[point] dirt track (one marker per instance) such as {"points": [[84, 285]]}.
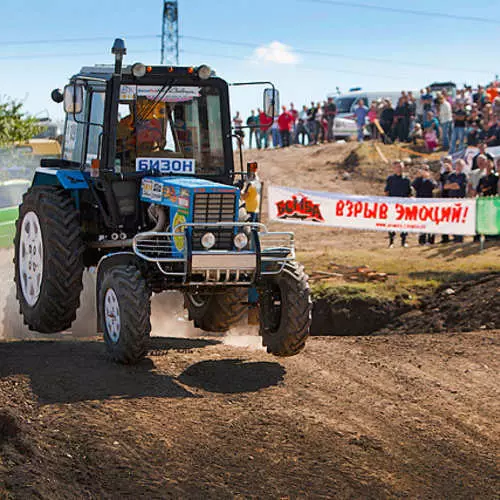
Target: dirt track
{"points": [[350, 417]]}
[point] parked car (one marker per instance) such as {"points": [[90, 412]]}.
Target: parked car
{"points": [[345, 125]]}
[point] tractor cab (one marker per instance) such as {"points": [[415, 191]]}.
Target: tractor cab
{"points": [[168, 120]]}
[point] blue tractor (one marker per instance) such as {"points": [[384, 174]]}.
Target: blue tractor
{"points": [[147, 195]]}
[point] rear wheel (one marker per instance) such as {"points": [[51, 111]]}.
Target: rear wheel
{"points": [[217, 312], [48, 259], [125, 309], [285, 311]]}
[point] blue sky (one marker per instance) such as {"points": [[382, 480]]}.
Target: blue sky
{"points": [[364, 42]]}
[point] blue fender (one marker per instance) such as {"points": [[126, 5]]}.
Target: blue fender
{"points": [[68, 179]]}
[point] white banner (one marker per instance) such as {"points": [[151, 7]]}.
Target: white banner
{"points": [[375, 213]]}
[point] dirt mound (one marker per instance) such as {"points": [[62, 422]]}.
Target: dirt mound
{"points": [[353, 316], [457, 307]]}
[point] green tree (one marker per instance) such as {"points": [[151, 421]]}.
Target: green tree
{"points": [[15, 124]]}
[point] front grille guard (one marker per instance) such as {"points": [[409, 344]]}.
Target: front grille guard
{"points": [[273, 250]]}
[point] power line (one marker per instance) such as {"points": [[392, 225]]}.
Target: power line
{"points": [[336, 55], [74, 40], [253, 45], [397, 10]]}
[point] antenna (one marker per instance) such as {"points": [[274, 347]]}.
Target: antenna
{"points": [[170, 33]]}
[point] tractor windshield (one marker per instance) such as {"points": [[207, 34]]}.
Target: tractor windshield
{"points": [[178, 122]]}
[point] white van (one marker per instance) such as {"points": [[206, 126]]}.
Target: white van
{"points": [[345, 125]]}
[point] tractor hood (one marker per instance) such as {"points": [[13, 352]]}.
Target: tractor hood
{"points": [[179, 192]]}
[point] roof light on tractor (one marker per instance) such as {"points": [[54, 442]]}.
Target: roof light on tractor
{"points": [[139, 70], [204, 72]]}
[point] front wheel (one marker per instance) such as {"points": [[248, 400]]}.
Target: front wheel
{"points": [[124, 310], [285, 311], [48, 259]]}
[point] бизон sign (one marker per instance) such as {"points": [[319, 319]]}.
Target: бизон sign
{"points": [[417, 215]]}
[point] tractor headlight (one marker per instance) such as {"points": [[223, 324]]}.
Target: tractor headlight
{"points": [[204, 72], [138, 70], [208, 241], [240, 241]]}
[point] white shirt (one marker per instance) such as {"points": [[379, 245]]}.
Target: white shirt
{"points": [[445, 112]]}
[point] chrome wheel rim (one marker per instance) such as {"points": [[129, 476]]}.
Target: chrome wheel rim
{"points": [[31, 258], [112, 315]]}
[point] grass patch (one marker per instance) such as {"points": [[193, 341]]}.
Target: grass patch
{"points": [[412, 272]]}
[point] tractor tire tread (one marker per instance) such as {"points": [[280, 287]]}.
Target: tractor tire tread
{"points": [[63, 249], [135, 311]]}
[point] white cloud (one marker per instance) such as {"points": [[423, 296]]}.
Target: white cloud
{"points": [[275, 52]]}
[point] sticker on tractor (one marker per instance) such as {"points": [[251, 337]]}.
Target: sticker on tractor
{"points": [[174, 94], [166, 165], [156, 191], [179, 218], [147, 187]]}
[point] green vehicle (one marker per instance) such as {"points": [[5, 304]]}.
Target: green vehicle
{"points": [[11, 196]]}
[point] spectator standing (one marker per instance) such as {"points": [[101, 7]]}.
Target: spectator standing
{"points": [[319, 123], [402, 117], [311, 124], [301, 130], [275, 133], [253, 131], [459, 122], [412, 112], [398, 185], [331, 113], [446, 121], [488, 182], [265, 122], [251, 193], [444, 184], [387, 118], [482, 151], [476, 174], [285, 124], [457, 188], [238, 123], [424, 187], [295, 116], [493, 134], [426, 99], [361, 113], [420, 107], [431, 129], [372, 116]]}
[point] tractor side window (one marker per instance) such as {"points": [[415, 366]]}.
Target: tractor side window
{"points": [[95, 126], [74, 134]]}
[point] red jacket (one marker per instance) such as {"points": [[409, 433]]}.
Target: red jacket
{"points": [[285, 121], [265, 121]]}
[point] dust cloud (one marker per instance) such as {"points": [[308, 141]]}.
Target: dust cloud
{"points": [[168, 316]]}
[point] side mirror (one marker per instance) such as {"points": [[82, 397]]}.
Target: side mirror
{"points": [[57, 96], [73, 98], [271, 101]]}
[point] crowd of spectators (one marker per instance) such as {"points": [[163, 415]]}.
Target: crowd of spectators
{"points": [[441, 120], [314, 124], [450, 182]]}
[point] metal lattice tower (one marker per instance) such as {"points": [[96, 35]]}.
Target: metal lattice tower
{"points": [[170, 34]]}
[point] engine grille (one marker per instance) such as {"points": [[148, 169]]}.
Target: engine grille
{"points": [[214, 207]]}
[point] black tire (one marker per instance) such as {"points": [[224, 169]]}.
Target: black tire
{"points": [[133, 299], [61, 278], [285, 311], [217, 312]]}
